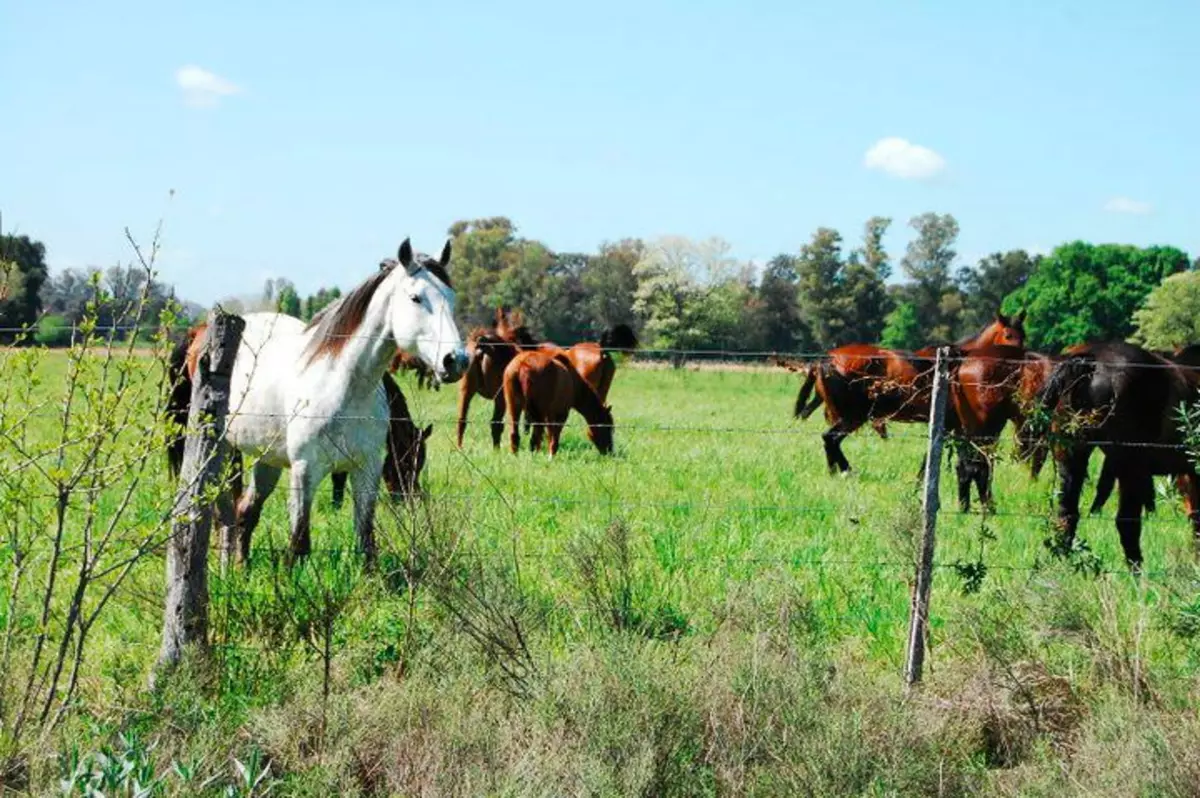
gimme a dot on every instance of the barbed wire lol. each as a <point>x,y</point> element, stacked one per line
<point>806,357</point>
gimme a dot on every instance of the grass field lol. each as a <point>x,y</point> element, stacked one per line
<point>706,612</point>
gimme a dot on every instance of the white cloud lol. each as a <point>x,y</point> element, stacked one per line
<point>901,158</point>
<point>1127,205</point>
<point>203,89</point>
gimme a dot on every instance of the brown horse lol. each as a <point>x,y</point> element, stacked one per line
<point>1121,399</point>
<point>545,387</point>
<point>490,353</point>
<point>403,361</point>
<point>863,383</point>
<point>989,387</point>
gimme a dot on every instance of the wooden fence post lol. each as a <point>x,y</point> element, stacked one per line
<point>919,614</point>
<point>185,620</point>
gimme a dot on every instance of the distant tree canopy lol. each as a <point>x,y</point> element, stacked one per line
<point>119,297</point>
<point>1170,316</point>
<point>22,273</point>
<point>1085,292</point>
<point>692,294</point>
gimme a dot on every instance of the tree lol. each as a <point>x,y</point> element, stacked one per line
<point>819,272</point>
<point>864,285</point>
<point>927,262</point>
<point>1170,316</point>
<point>24,271</point>
<point>690,294</point>
<point>903,329</point>
<point>1086,292</point>
<point>609,284</point>
<point>288,302</point>
<point>985,286</point>
<point>53,330</point>
<point>482,251</point>
<point>782,329</point>
<point>315,303</point>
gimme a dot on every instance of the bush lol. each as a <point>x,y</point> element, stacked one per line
<point>53,331</point>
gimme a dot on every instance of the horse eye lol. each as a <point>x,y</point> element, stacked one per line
<point>416,298</point>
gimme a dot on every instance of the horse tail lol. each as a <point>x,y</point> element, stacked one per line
<point>179,401</point>
<point>620,337</point>
<point>810,381</point>
<point>1063,380</point>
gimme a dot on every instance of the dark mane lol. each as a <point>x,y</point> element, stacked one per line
<point>336,323</point>
<point>435,268</point>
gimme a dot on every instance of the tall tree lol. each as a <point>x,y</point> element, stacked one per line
<point>288,302</point>
<point>927,263</point>
<point>864,285</point>
<point>609,284</point>
<point>782,329</point>
<point>819,272</point>
<point>23,263</point>
<point>1084,292</point>
<point>985,286</point>
<point>902,329</point>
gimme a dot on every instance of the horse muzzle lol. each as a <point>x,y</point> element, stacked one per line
<point>453,366</point>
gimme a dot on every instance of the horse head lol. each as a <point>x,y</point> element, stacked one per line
<point>422,313</point>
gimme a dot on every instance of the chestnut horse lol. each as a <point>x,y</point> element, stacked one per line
<point>545,386</point>
<point>991,386</point>
<point>492,351</point>
<point>861,383</point>
<point>1122,400</point>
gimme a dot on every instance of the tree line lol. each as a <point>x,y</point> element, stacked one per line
<point>686,294</point>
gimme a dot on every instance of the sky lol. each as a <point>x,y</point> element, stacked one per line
<point>306,140</point>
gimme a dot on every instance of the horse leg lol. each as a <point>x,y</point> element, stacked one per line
<point>263,480</point>
<point>365,483</point>
<point>554,432</point>
<point>514,422</point>
<point>1072,471</point>
<point>1189,486</point>
<point>880,427</point>
<point>465,392</point>
<point>339,489</point>
<point>498,409</point>
<point>537,421</point>
<point>833,438</point>
<point>1133,488</point>
<point>965,470</point>
<point>1104,485</point>
<point>304,480</point>
<point>983,479</point>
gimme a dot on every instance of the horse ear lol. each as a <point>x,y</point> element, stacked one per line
<point>1000,317</point>
<point>405,254</point>
<point>425,433</point>
<point>446,254</point>
<point>1019,319</point>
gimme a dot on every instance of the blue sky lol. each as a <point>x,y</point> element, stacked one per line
<point>307,139</point>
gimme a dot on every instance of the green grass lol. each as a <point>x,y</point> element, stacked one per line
<point>767,606</point>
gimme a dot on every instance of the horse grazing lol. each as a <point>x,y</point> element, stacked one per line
<point>546,387</point>
<point>991,386</point>
<point>310,398</point>
<point>1121,399</point>
<point>861,383</point>
<point>403,361</point>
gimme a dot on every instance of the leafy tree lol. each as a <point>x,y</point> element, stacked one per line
<point>690,294</point>
<point>1170,316</point>
<point>315,303</point>
<point>864,287</point>
<point>782,329</point>
<point>1086,292</point>
<point>608,284</point>
<point>24,271</point>
<point>903,328</point>
<point>927,263</point>
<point>288,302</point>
<point>985,286</point>
<point>821,300</point>
<point>482,251</point>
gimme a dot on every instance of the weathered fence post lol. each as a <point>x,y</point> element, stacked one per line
<point>919,614</point>
<point>185,620</point>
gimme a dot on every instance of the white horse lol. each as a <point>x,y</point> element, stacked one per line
<point>311,398</point>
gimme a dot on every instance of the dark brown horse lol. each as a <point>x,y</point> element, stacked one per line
<point>545,387</point>
<point>1123,400</point>
<point>989,387</point>
<point>863,383</point>
<point>403,361</point>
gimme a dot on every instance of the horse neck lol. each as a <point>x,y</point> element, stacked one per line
<point>370,348</point>
<point>586,401</point>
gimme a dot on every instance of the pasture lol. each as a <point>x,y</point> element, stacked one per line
<point>706,612</point>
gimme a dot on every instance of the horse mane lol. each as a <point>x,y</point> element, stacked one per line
<point>335,323</point>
